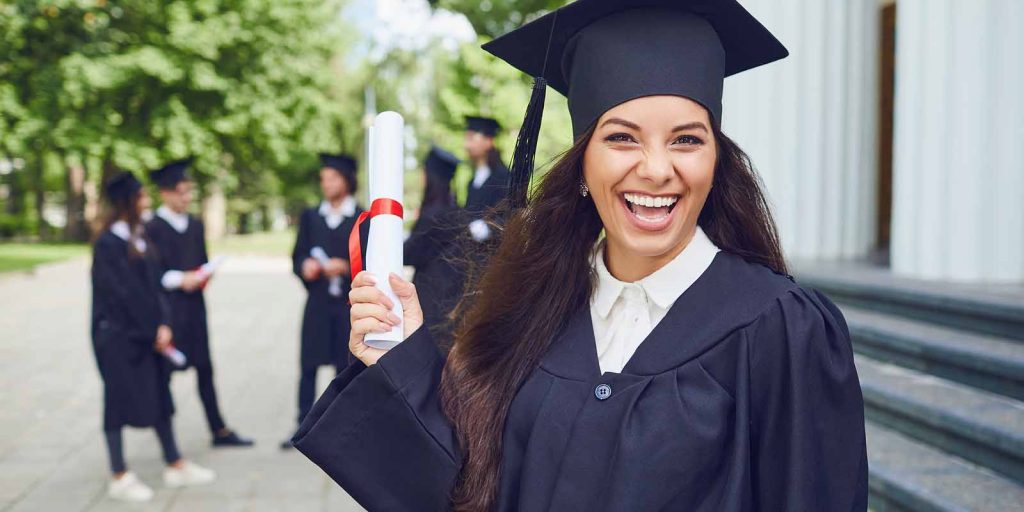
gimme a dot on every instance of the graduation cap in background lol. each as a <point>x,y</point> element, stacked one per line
<point>484,125</point>
<point>171,174</point>
<point>441,163</point>
<point>601,53</point>
<point>122,187</point>
<point>346,165</point>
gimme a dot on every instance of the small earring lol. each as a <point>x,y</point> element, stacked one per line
<point>584,191</point>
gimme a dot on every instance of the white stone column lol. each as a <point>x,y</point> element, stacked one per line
<point>958,171</point>
<point>809,124</point>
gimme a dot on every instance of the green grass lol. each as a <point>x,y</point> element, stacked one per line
<point>276,243</point>
<point>25,256</point>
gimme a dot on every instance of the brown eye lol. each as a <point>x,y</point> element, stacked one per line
<point>620,137</point>
<point>688,140</point>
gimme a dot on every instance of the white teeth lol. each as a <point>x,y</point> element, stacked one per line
<point>651,201</point>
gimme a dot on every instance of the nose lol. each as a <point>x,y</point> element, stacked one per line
<point>656,166</point>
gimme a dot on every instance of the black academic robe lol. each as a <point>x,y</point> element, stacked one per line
<point>127,309</point>
<point>433,251</point>
<point>743,398</point>
<point>325,320</point>
<point>490,194</point>
<point>184,252</point>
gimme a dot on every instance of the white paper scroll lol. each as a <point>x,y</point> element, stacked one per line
<point>320,255</point>
<point>384,246</point>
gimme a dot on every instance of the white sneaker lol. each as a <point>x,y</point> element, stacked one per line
<point>129,488</point>
<point>188,474</point>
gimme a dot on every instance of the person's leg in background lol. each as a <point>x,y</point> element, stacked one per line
<point>124,485</point>
<point>222,435</point>
<point>307,391</point>
<point>307,395</point>
<point>179,472</point>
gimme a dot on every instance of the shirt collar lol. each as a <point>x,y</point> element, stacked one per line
<point>480,175</point>
<point>347,208</point>
<point>666,284</point>
<point>120,229</point>
<point>178,221</point>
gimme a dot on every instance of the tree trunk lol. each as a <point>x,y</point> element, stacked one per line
<point>76,229</point>
<point>39,196</point>
<point>244,223</point>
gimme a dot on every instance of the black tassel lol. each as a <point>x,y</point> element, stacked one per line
<point>526,147</point>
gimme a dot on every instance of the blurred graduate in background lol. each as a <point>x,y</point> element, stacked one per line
<point>432,246</point>
<point>321,261</point>
<point>130,333</point>
<point>490,175</point>
<point>185,269</point>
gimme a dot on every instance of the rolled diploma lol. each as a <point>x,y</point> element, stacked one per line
<point>384,247</point>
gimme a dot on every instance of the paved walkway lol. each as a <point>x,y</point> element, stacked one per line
<point>52,455</point>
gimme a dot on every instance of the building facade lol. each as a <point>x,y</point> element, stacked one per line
<point>894,133</point>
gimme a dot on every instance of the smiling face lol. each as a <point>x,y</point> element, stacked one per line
<point>649,167</point>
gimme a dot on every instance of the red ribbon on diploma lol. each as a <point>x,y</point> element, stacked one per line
<point>381,206</point>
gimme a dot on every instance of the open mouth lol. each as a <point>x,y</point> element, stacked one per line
<point>651,209</point>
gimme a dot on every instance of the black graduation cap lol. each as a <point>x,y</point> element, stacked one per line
<point>441,163</point>
<point>122,187</point>
<point>484,125</point>
<point>601,53</point>
<point>171,174</point>
<point>346,165</point>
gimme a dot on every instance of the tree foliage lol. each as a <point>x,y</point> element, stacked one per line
<point>253,88</point>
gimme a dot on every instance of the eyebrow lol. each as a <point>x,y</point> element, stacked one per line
<point>634,126</point>
<point>623,122</point>
<point>690,126</point>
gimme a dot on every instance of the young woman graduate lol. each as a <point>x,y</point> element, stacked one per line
<point>670,365</point>
<point>130,328</point>
<point>432,247</point>
<point>180,243</point>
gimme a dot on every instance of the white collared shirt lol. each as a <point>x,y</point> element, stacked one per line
<point>120,230</point>
<point>480,176</point>
<point>333,215</point>
<point>173,279</point>
<point>623,314</point>
<point>178,221</point>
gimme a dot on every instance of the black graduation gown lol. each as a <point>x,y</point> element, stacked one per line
<point>185,252</point>
<point>744,397</point>
<point>432,250</point>
<point>127,309</point>
<point>490,194</point>
<point>325,321</point>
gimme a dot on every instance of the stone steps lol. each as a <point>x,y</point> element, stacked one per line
<point>978,426</point>
<point>970,308</point>
<point>941,366</point>
<point>985,362</point>
<point>907,475</point>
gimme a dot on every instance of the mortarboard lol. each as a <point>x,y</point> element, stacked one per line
<point>484,125</point>
<point>171,174</point>
<point>441,163</point>
<point>122,187</point>
<point>601,53</point>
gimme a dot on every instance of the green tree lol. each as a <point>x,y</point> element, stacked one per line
<point>253,88</point>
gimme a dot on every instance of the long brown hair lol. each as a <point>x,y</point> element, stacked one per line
<point>540,275</point>
<point>126,209</point>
